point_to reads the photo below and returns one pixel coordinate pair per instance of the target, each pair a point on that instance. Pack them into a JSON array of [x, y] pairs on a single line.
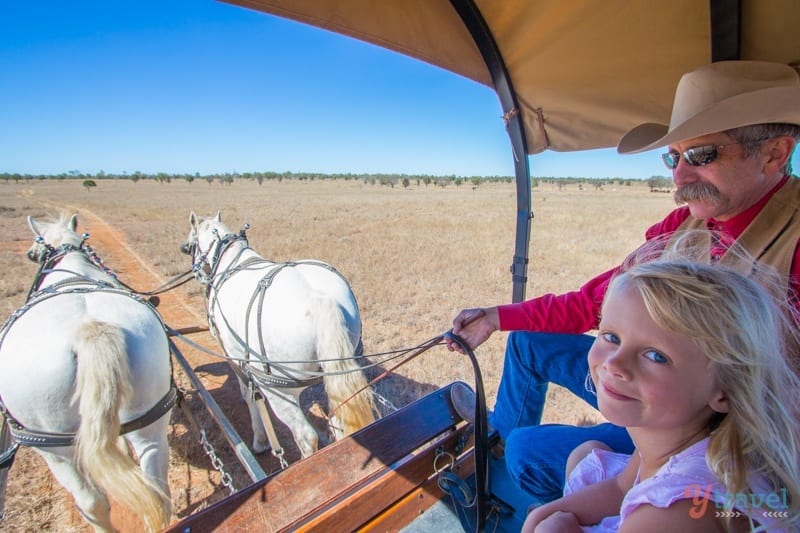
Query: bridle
[[51, 255], [205, 268]]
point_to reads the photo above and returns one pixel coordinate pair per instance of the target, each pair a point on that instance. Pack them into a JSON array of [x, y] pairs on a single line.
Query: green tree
[[88, 184]]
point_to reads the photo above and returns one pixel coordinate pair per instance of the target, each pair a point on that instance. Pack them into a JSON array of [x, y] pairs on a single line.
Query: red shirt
[[579, 311]]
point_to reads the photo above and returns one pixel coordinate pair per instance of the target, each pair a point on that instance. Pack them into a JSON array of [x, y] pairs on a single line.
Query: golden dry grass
[[414, 257]]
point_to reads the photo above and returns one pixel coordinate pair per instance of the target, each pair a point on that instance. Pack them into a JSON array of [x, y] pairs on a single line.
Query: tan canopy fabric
[[584, 71]]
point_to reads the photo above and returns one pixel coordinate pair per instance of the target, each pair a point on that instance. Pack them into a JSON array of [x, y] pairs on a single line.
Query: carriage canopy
[[584, 71], [570, 74]]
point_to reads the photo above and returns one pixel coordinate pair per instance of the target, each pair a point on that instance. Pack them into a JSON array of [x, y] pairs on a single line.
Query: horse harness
[[76, 284], [207, 273], [256, 378]]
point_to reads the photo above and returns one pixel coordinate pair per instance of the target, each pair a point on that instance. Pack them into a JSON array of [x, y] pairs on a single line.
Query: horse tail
[[344, 377], [103, 386]]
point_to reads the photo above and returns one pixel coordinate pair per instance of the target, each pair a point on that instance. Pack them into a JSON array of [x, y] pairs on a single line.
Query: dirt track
[[193, 482]]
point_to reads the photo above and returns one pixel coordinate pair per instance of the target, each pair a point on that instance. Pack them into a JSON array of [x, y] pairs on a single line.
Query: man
[[733, 128]]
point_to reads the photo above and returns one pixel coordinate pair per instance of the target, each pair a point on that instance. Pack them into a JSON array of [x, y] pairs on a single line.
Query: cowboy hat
[[722, 96]]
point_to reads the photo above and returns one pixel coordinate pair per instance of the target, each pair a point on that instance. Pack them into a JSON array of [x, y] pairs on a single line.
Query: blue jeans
[[536, 455]]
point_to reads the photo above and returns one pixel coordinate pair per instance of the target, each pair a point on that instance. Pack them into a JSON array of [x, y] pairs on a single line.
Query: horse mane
[[62, 223], [63, 218]]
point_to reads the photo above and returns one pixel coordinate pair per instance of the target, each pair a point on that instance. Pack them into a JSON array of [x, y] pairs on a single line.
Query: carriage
[[569, 76]]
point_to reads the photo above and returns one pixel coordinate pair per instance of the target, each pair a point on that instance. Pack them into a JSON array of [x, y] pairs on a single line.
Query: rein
[[53, 255], [394, 354], [482, 500], [168, 285], [421, 348], [174, 283]]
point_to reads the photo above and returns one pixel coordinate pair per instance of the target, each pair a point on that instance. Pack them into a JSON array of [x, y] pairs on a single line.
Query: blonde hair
[[750, 337]]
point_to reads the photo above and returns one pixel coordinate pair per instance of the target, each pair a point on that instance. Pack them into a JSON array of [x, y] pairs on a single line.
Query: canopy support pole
[[474, 22], [726, 30]]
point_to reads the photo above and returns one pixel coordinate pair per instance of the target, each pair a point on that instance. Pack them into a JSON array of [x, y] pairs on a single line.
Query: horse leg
[[285, 404], [260, 443], [92, 503], [152, 449]]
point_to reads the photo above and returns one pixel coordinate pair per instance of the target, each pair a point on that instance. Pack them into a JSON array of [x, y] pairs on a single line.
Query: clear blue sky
[[191, 86]]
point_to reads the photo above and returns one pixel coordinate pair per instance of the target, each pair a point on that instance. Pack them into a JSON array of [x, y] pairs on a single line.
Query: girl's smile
[[614, 394]]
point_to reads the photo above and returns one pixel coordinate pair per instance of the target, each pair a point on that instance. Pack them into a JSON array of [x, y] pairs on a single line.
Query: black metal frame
[[726, 29], [482, 35]]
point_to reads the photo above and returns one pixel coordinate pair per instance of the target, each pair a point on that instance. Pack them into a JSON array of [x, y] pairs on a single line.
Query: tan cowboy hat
[[721, 96]]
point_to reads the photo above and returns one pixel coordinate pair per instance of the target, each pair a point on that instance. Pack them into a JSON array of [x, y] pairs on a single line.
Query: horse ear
[[217, 217], [34, 226], [73, 222], [193, 219]]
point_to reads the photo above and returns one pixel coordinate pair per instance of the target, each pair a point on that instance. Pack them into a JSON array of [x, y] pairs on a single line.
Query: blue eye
[[656, 357], [610, 337]]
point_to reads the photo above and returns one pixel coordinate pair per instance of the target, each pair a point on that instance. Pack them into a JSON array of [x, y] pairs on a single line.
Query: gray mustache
[[704, 192]]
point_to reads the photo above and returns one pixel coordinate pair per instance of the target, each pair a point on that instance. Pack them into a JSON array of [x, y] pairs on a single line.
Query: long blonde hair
[[750, 336]]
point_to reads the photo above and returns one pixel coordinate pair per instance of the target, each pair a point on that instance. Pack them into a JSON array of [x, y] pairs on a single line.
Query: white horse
[[82, 362], [279, 323]]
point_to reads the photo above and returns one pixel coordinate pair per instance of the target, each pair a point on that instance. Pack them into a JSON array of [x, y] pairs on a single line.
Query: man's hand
[[474, 326]]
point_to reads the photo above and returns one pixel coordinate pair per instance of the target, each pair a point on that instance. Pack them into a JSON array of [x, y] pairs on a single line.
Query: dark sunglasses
[[697, 156]]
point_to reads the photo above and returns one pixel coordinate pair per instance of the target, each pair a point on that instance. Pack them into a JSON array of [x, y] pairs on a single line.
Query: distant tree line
[[390, 180], [656, 183]]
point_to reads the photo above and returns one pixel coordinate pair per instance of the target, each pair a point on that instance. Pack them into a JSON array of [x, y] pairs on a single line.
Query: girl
[[695, 361]]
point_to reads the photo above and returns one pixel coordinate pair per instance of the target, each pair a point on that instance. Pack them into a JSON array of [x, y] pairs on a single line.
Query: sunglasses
[[697, 156]]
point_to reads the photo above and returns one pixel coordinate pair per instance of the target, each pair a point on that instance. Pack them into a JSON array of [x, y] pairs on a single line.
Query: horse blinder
[[188, 248], [40, 253]]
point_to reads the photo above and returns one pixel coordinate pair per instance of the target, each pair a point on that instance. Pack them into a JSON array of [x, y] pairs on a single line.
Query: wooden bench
[[382, 476]]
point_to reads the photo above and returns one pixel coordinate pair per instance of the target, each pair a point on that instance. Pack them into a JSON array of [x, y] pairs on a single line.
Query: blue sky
[[191, 86]]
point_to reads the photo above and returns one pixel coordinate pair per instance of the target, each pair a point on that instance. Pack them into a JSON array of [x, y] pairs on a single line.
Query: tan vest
[[771, 238]]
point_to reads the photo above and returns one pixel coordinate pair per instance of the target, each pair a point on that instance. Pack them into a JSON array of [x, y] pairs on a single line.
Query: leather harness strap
[[216, 279], [42, 439]]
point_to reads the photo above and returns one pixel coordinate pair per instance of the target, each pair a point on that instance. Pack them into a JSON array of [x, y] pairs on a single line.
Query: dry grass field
[[414, 257]]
